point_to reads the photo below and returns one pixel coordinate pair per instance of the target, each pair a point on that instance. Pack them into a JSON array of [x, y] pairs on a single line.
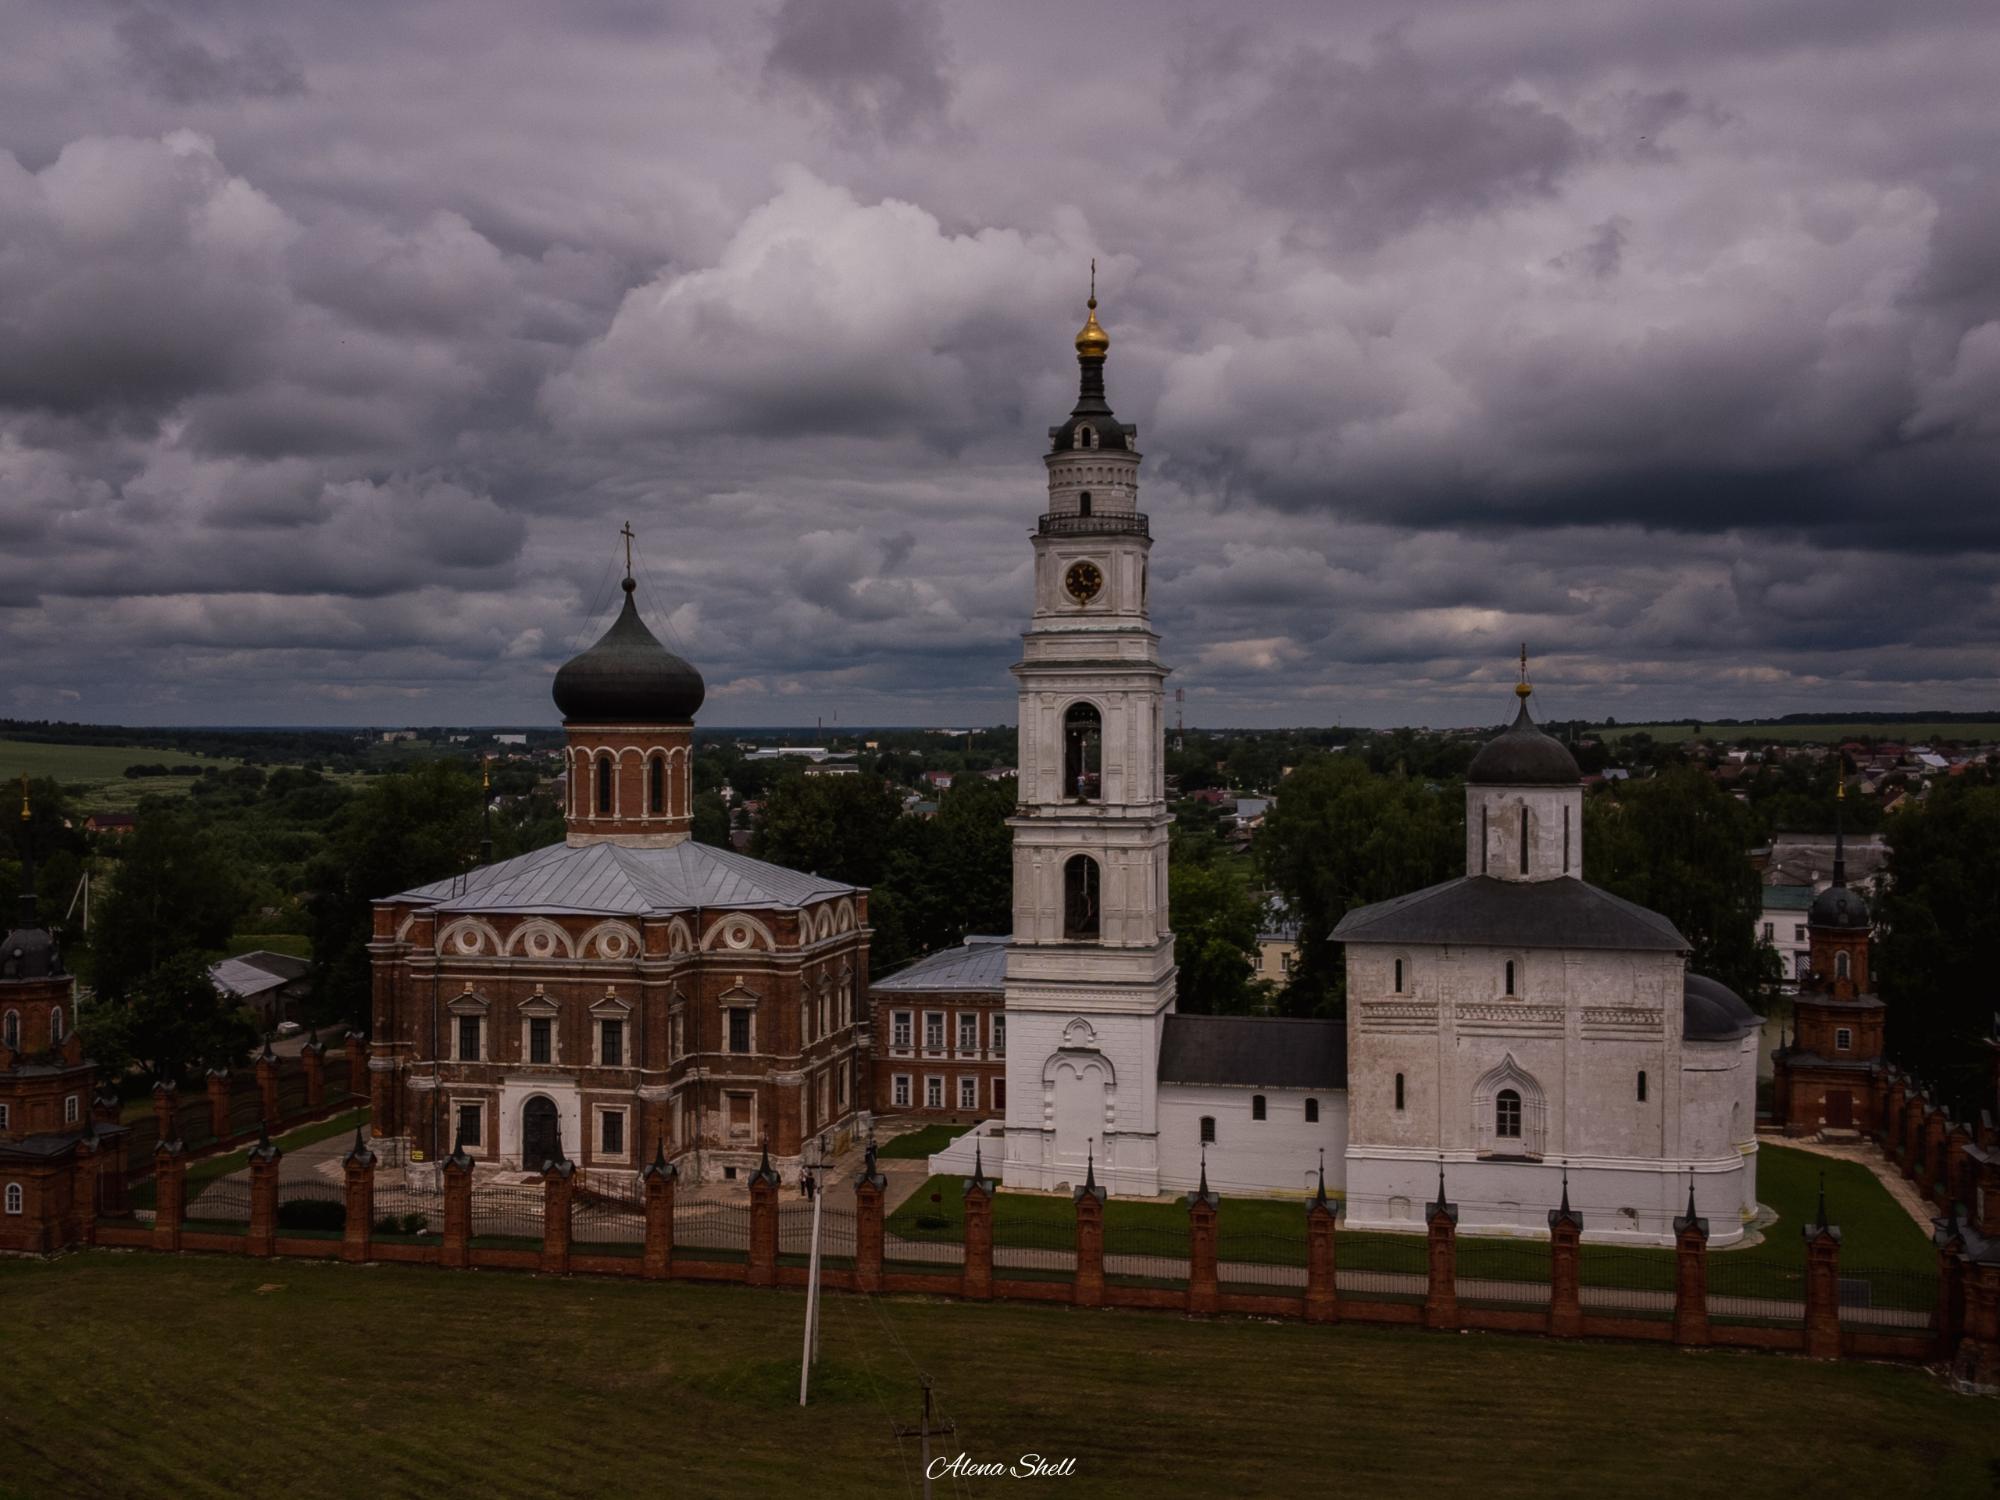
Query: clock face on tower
[[1083, 581]]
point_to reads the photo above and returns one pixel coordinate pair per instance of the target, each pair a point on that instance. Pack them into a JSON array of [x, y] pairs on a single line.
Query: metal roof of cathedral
[[979, 966], [614, 878], [1488, 912], [1712, 1012], [1274, 1052]]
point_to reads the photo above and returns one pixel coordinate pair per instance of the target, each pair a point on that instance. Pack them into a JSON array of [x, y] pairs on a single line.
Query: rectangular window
[[1208, 1130], [997, 1027], [900, 1093], [71, 1110], [934, 1092], [968, 1092], [679, 1036], [1642, 1085], [1256, 1106], [1799, 933], [471, 1129], [468, 1039], [740, 1123], [1257, 959], [1286, 960], [5, 1116], [611, 1044], [840, 1088], [968, 1031], [899, 1030], [1000, 1096], [1399, 976], [934, 1031], [1770, 932], [611, 1132], [541, 1040], [739, 1029], [1843, 1039]]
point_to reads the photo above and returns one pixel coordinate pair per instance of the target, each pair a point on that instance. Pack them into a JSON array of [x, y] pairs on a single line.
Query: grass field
[[922, 1142], [232, 1378], [101, 769], [1915, 731], [1876, 1234]]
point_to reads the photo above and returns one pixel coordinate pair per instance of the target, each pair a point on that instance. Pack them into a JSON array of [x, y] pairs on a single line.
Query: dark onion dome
[[1522, 755], [1712, 1012], [30, 953], [1837, 906], [628, 677]]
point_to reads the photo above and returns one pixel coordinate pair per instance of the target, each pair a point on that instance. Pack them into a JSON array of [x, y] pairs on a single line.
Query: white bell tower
[[1090, 970]]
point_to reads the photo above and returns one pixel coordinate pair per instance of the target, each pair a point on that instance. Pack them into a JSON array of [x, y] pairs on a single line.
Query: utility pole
[[924, 1431], [810, 1354]]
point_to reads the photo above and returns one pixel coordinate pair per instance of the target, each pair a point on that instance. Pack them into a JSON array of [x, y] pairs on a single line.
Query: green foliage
[[711, 820], [1677, 845], [312, 1213], [841, 827], [1216, 917], [405, 830], [1341, 836], [172, 1024], [176, 891], [1938, 926]]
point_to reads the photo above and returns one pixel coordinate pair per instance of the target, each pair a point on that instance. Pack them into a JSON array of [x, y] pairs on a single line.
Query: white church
[[1511, 1026]]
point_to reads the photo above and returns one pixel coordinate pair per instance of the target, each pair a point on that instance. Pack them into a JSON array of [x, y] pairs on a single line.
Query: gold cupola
[[1092, 342]]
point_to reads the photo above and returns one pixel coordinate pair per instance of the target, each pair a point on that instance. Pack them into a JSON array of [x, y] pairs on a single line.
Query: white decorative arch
[[1509, 1074], [843, 916], [470, 935], [679, 938], [1079, 1033], [739, 931], [612, 940], [409, 920], [540, 938]]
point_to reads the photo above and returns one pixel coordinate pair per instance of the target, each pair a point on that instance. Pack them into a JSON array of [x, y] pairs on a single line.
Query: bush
[[933, 1221], [312, 1213], [413, 1223]]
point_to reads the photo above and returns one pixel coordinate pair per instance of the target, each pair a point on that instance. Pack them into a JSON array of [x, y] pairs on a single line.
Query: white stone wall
[[1251, 1157], [1493, 831], [1082, 1088], [1572, 1041]]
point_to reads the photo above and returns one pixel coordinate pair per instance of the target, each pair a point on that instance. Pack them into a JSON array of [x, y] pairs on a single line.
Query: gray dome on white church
[[1524, 754]]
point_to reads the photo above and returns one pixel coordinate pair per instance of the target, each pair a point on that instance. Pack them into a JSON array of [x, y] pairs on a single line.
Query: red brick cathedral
[[627, 988]]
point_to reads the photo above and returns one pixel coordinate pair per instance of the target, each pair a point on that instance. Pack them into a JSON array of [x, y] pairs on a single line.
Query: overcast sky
[[337, 341]]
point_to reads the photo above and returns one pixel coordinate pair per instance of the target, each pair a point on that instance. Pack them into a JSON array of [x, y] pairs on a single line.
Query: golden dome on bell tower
[[1092, 342]]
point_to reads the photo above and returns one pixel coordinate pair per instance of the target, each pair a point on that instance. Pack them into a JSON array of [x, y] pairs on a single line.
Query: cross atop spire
[[1523, 687], [627, 532], [1093, 282]]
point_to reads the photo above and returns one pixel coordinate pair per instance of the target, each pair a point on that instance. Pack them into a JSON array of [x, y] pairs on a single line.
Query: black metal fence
[[1260, 1261], [1032, 1244], [311, 1205], [712, 1231], [608, 1215], [224, 1203], [1503, 1273], [507, 1214], [1146, 1253], [1890, 1298], [1750, 1289]]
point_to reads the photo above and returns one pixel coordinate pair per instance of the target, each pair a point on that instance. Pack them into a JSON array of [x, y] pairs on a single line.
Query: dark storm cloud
[[169, 62], [878, 67], [342, 339]]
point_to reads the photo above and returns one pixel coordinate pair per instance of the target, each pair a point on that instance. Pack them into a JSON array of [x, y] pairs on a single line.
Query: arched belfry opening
[[1083, 749], [1081, 908]]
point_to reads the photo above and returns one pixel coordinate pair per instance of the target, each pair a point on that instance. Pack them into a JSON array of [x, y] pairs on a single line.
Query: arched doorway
[[541, 1133]]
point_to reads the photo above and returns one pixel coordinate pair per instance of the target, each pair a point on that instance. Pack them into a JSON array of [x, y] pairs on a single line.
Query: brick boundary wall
[[1818, 1332]]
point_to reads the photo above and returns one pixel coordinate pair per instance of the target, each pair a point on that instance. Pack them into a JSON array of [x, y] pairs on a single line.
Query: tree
[[1216, 919], [711, 820], [837, 826], [1679, 845], [172, 1022], [175, 891], [1937, 926], [406, 830], [1339, 837]]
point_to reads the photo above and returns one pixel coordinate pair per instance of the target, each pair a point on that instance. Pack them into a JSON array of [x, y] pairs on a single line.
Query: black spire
[[1090, 1167], [27, 859], [1565, 1202], [1839, 837], [485, 811], [1202, 1193], [1691, 1213], [660, 1152], [1822, 1199], [1320, 1196]]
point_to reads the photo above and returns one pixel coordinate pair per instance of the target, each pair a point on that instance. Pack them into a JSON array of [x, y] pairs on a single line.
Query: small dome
[[1712, 1012], [29, 953], [1522, 755], [628, 677], [1837, 906], [1092, 342]]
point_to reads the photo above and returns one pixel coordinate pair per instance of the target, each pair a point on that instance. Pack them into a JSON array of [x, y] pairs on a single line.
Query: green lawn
[[201, 1173], [1876, 1234], [291, 944], [230, 1375], [100, 769], [921, 1142]]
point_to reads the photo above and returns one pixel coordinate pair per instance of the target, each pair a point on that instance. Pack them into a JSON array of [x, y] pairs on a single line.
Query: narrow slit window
[[1484, 847], [604, 786], [1510, 977], [1642, 1085], [1565, 841], [1399, 976], [1524, 841], [656, 787], [1399, 1091]]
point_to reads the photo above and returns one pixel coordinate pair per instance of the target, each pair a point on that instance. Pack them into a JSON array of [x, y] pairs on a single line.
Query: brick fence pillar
[[169, 1194], [1565, 1239], [1975, 1368], [1441, 1294], [166, 1101], [113, 1200], [764, 1224], [312, 1058], [1322, 1258], [82, 1226], [558, 1196], [457, 1252], [1089, 1289], [976, 1275], [656, 1261], [357, 1236], [267, 1086], [218, 1102], [1691, 1277], [1203, 1292], [1822, 1285], [868, 1190], [264, 1159]]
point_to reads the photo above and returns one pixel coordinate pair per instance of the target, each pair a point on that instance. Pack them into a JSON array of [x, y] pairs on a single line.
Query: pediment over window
[[610, 1007], [539, 1005], [471, 1003], [736, 994]]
